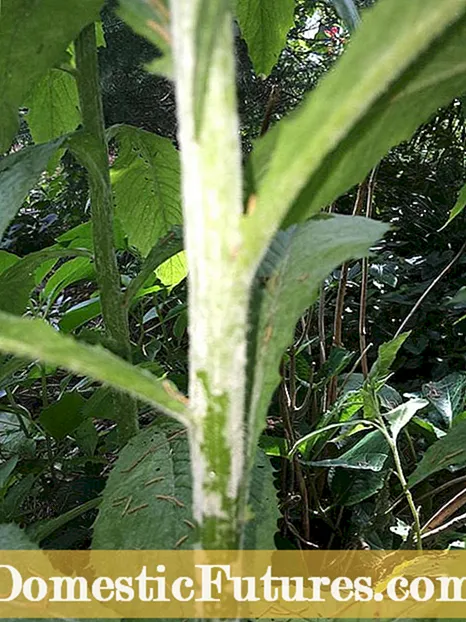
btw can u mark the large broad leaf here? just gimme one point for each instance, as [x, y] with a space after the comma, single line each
[147, 503]
[264, 25]
[146, 184]
[53, 106]
[33, 38]
[33, 339]
[448, 451]
[147, 500]
[19, 172]
[405, 61]
[299, 260]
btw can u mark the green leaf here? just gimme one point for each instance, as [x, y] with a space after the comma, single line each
[64, 416]
[33, 339]
[6, 469]
[458, 207]
[302, 257]
[147, 499]
[447, 396]
[147, 503]
[15, 539]
[19, 172]
[448, 451]
[399, 417]
[53, 107]
[264, 25]
[369, 454]
[263, 505]
[30, 46]
[18, 281]
[146, 184]
[152, 21]
[79, 314]
[173, 271]
[78, 269]
[388, 82]
[386, 356]
[7, 260]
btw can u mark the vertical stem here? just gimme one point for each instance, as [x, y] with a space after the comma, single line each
[108, 278]
[218, 286]
[364, 281]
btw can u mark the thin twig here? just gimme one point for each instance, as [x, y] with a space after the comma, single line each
[429, 289]
[459, 521]
[447, 510]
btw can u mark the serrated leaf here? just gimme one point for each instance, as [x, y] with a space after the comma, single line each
[263, 504]
[53, 107]
[264, 25]
[450, 450]
[19, 172]
[148, 495]
[33, 339]
[29, 47]
[309, 253]
[146, 185]
[389, 80]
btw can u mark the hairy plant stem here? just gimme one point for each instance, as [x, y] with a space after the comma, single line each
[108, 277]
[218, 285]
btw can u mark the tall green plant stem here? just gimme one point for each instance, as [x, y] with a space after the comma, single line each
[108, 278]
[218, 286]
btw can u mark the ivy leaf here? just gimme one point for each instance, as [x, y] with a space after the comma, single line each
[33, 38]
[264, 25]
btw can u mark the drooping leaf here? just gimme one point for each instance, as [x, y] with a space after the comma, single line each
[30, 46]
[360, 110]
[19, 172]
[53, 106]
[450, 450]
[308, 253]
[33, 339]
[80, 313]
[70, 272]
[146, 184]
[264, 25]
[173, 271]
[6, 469]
